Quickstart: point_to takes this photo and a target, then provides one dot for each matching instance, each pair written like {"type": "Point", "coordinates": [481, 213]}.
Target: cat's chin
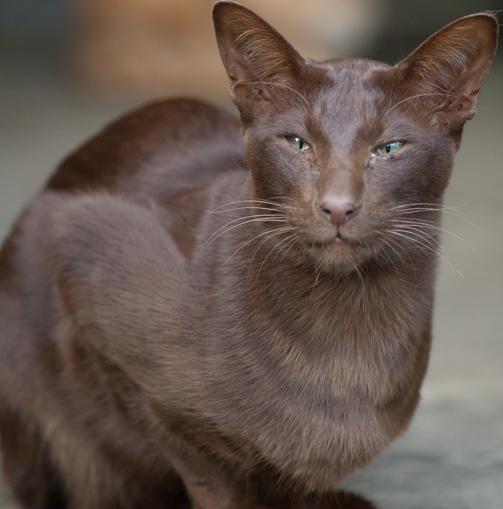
{"type": "Point", "coordinates": [337, 255]}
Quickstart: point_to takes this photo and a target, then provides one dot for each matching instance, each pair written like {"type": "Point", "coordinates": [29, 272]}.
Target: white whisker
{"type": "Point", "coordinates": [251, 207]}
{"type": "Point", "coordinates": [274, 248]}
{"type": "Point", "coordinates": [247, 220]}
{"type": "Point", "coordinates": [423, 224]}
{"type": "Point", "coordinates": [416, 97]}
{"type": "Point", "coordinates": [278, 85]}
{"type": "Point", "coordinates": [424, 246]}
{"type": "Point", "coordinates": [250, 201]}
{"type": "Point", "coordinates": [282, 229]}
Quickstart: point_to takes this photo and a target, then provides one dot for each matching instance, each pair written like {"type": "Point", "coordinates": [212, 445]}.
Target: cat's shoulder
{"type": "Point", "coordinates": [162, 138]}
{"type": "Point", "coordinates": [183, 116]}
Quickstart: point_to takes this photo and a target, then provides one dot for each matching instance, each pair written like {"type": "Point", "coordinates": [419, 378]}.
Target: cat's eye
{"type": "Point", "coordinates": [389, 148]}
{"type": "Point", "coordinates": [298, 143]}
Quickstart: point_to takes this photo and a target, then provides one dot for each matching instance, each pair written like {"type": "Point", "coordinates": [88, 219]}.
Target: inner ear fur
{"type": "Point", "coordinates": [259, 62]}
{"type": "Point", "coordinates": [452, 63]}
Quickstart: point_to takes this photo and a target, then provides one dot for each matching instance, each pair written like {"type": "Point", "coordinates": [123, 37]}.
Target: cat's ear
{"type": "Point", "coordinates": [454, 61]}
{"type": "Point", "coordinates": [259, 62]}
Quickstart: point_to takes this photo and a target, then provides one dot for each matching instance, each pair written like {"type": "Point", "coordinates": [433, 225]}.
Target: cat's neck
{"type": "Point", "coordinates": [279, 267]}
{"type": "Point", "coordinates": [268, 272]}
{"type": "Point", "coordinates": [367, 284]}
{"type": "Point", "coordinates": [387, 297]}
{"type": "Point", "coordinates": [316, 324]}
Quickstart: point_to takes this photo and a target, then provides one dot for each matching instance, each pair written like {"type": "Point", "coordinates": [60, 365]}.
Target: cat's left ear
{"type": "Point", "coordinates": [454, 61]}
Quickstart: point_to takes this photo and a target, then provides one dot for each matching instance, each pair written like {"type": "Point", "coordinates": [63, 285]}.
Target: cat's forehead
{"type": "Point", "coordinates": [354, 95]}
{"type": "Point", "coordinates": [353, 85]}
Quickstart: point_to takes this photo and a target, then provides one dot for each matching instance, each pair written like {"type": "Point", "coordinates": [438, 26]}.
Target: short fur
{"type": "Point", "coordinates": [180, 317]}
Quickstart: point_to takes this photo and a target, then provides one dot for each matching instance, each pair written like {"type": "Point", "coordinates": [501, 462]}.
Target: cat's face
{"type": "Point", "coordinates": [356, 154]}
{"type": "Point", "coordinates": [345, 162]}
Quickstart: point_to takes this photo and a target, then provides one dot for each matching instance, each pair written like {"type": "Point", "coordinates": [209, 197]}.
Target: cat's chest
{"type": "Point", "coordinates": [318, 383]}
{"type": "Point", "coordinates": [326, 388]}
{"type": "Point", "coordinates": [342, 344]}
{"type": "Point", "coordinates": [317, 422]}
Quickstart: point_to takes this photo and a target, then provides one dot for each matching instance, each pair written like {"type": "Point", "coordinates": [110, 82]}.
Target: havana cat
{"type": "Point", "coordinates": [235, 314]}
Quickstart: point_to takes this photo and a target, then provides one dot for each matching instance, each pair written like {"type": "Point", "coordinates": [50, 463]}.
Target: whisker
{"type": "Point", "coordinates": [360, 275]}
{"type": "Point", "coordinates": [278, 85]}
{"type": "Point", "coordinates": [259, 201]}
{"type": "Point", "coordinates": [317, 271]}
{"type": "Point", "coordinates": [227, 228]}
{"type": "Point", "coordinates": [423, 204]}
{"type": "Point", "coordinates": [423, 224]}
{"type": "Point", "coordinates": [251, 207]}
{"type": "Point", "coordinates": [251, 216]}
{"type": "Point", "coordinates": [411, 208]}
{"type": "Point", "coordinates": [429, 239]}
{"type": "Point", "coordinates": [447, 211]}
{"type": "Point", "coordinates": [419, 243]}
{"type": "Point", "coordinates": [416, 97]}
{"type": "Point", "coordinates": [438, 206]}
{"type": "Point", "coordinates": [281, 229]}
{"type": "Point", "coordinates": [262, 242]}
{"type": "Point", "coordinates": [274, 248]}
{"type": "Point", "coordinates": [282, 245]}
{"type": "Point", "coordinates": [432, 241]}
{"type": "Point", "coordinates": [388, 243]}
{"type": "Point", "coordinates": [288, 246]}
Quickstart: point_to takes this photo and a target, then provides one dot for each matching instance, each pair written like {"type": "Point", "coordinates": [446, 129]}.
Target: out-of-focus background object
{"type": "Point", "coordinates": [159, 46]}
{"type": "Point", "coordinates": [67, 67]}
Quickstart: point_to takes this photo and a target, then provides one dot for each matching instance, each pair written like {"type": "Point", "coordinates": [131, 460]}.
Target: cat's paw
{"type": "Point", "coordinates": [340, 500]}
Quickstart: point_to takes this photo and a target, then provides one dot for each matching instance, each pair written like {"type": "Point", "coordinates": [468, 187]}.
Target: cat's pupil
{"type": "Point", "coordinates": [388, 148]}
{"type": "Point", "coordinates": [298, 142]}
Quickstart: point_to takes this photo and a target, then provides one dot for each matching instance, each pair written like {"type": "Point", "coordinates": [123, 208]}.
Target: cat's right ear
{"type": "Point", "coordinates": [259, 62]}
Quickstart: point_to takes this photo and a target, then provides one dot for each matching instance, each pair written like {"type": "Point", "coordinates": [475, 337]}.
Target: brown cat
{"type": "Point", "coordinates": [246, 323]}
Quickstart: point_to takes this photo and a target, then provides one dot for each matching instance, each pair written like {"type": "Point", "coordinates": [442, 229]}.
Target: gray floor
{"type": "Point", "coordinates": [452, 456]}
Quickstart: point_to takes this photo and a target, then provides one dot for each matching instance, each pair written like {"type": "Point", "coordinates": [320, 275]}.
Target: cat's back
{"type": "Point", "coordinates": [155, 151]}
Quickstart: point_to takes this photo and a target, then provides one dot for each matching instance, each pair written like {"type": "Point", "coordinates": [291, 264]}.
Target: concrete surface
{"type": "Point", "coordinates": [452, 456]}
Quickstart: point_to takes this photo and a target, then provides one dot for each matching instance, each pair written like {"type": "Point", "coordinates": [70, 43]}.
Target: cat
{"type": "Point", "coordinates": [227, 313]}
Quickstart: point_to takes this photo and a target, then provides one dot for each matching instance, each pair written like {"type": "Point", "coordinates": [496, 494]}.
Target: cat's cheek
{"type": "Point", "coordinates": [310, 168]}
{"type": "Point", "coordinates": [378, 173]}
{"type": "Point", "coordinates": [308, 183]}
{"type": "Point", "coordinates": [371, 162]}
{"type": "Point", "coordinates": [313, 170]}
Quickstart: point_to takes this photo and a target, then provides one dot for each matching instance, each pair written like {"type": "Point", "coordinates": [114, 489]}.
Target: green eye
{"type": "Point", "coordinates": [389, 148]}
{"type": "Point", "coordinates": [299, 143]}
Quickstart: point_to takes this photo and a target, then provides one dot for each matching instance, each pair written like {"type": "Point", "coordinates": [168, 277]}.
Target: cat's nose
{"type": "Point", "coordinates": [338, 212]}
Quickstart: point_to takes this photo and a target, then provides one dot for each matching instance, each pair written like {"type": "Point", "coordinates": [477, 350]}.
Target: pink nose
{"type": "Point", "coordinates": [338, 212]}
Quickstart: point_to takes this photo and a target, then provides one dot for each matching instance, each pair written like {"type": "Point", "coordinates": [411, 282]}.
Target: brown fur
{"type": "Point", "coordinates": [160, 338]}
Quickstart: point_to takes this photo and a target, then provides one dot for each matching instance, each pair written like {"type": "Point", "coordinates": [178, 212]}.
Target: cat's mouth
{"type": "Point", "coordinates": [338, 250]}
{"type": "Point", "coordinates": [336, 253]}
{"type": "Point", "coordinates": [337, 239]}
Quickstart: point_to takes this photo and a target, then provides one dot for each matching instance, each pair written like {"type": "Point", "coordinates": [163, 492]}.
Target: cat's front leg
{"type": "Point", "coordinates": [208, 485]}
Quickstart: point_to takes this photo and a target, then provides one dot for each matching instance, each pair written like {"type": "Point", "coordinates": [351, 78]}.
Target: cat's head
{"type": "Point", "coordinates": [356, 153]}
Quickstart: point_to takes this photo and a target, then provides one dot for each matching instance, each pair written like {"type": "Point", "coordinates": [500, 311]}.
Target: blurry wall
{"type": "Point", "coordinates": [160, 47]}
{"type": "Point", "coordinates": [27, 22]}
{"type": "Point", "coordinates": [154, 46]}
{"type": "Point", "coordinates": [408, 22]}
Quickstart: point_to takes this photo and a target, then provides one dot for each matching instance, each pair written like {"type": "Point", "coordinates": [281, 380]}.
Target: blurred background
{"type": "Point", "coordinates": [67, 67]}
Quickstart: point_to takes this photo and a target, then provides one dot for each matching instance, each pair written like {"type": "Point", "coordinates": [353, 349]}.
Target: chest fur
{"type": "Point", "coordinates": [318, 385]}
